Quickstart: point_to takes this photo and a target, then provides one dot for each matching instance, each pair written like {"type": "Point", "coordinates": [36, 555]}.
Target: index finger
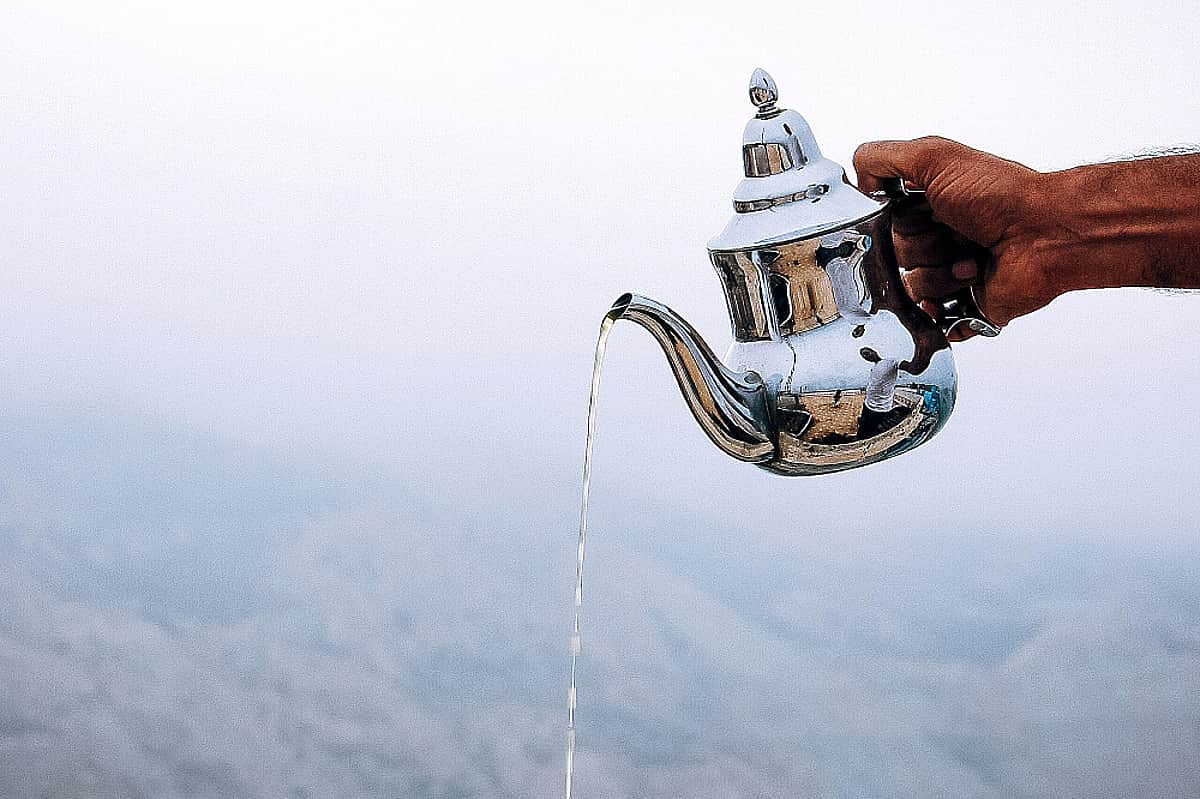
{"type": "Point", "coordinates": [916, 161]}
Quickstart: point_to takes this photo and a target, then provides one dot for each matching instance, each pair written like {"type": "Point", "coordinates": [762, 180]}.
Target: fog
{"type": "Point", "coordinates": [295, 338]}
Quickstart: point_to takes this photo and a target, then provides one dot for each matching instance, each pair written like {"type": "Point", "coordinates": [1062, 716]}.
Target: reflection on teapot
{"type": "Point", "coordinates": [832, 365]}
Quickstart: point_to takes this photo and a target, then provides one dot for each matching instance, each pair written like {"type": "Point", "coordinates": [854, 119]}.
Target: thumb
{"type": "Point", "coordinates": [917, 161]}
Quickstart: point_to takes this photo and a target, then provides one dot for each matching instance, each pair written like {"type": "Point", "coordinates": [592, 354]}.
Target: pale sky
{"type": "Point", "coordinates": [338, 224]}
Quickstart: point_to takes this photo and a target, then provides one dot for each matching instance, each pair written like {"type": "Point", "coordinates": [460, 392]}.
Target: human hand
{"type": "Point", "coordinates": [981, 227]}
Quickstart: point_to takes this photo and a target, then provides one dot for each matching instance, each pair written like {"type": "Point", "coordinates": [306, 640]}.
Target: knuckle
{"type": "Point", "coordinates": [864, 154]}
{"type": "Point", "coordinates": [937, 148]}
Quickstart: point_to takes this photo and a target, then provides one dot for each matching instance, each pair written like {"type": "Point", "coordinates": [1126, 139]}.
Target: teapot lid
{"type": "Point", "coordinates": [790, 190]}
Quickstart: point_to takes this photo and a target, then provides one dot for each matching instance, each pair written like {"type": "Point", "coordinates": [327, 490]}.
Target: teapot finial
{"type": "Point", "coordinates": [763, 92]}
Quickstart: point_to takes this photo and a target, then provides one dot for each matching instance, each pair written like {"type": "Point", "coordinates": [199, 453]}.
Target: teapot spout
{"type": "Point", "coordinates": [730, 408]}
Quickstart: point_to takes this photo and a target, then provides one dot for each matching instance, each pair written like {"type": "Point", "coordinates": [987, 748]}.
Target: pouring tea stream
{"type": "Point", "coordinates": [832, 365]}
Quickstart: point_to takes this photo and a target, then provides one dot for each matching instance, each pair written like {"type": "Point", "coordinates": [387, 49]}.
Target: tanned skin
{"type": "Point", "coordinates": [1128, 223]}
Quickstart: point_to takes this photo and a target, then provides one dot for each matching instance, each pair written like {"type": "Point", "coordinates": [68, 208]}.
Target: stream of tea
{"type": "Point", "coordinates": [583, 509]}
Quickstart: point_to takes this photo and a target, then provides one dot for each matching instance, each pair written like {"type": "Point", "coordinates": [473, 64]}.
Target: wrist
{"type": "Point", "coordinates": [1080, 245]}
{"type": "Point", "coordinates": [1128, 223]}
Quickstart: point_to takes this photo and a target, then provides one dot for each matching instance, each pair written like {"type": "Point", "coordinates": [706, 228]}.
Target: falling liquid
{"type": "Point", "coordinates": [583, 508]}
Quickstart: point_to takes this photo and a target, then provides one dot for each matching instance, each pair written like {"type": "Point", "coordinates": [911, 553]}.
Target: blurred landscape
{"type": "Point", "coordinates": [185, 616]}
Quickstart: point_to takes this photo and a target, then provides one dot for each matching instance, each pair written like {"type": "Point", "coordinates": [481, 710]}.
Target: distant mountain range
{"type": "Point", "coordinates": [184, 616]}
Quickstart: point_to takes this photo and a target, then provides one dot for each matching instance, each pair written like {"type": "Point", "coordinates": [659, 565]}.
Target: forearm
{"type": "Point", "coordinates": [1128, 223]}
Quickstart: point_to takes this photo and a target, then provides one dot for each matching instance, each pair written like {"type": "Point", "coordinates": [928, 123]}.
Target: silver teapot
{"type": "Point", "coordinates": [832, 364]}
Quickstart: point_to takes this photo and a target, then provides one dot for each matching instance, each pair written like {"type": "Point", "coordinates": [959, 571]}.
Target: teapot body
{"type": "Point", "coordinates": [854, 371]}
{"type": "Point", "coordinates": [832, 366]}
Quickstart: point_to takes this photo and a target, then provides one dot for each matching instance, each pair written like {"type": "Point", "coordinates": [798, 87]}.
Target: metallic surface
{"type": "Point", "coordinates": [763, 93]}
{"type": "Point", "coordinates": [832, 365]}
{"type": "Point", "coordinates": [790, 189]}
{"type": "Point", "coordinates": [730, 408]}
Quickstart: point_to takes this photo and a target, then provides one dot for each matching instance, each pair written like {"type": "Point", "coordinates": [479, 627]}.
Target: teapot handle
{"type": "Point", "coordinates": [960, 308]}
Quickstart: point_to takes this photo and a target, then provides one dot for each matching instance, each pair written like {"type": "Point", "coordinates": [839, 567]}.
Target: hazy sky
{"type": "Point", "coordinates": [376, 241]}
{"type": "Point", "coordinates": [340, 223]}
